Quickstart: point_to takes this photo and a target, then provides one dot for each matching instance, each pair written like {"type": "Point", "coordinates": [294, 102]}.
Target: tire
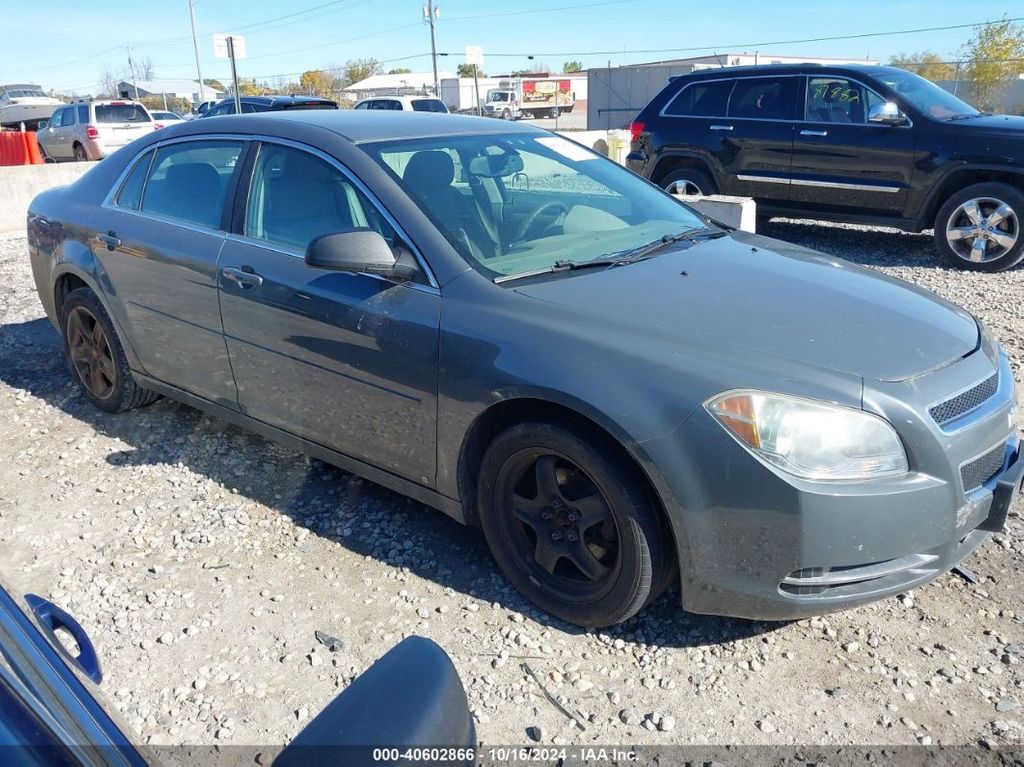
{"type": "Point", "coordinates": [622, 553]}
{"type": "Point", "coordinates": [689, 181]}
{"type": "Point", "coordinates": [80, 154]}
{"type": "Point", "coordinates": [980, 228]}
{"type": "Point", "coordinates": [506, 114]}
{"type": "Point", "coordinates": [114, 388]}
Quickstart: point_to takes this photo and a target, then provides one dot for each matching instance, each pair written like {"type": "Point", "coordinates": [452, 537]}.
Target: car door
{"type": "Point", "coordinates": [757, 137]}
{"type": "Point", "coordinates": [346, 360]}
{"type": "Point", "coordinates": [49, 137]}
{"type": "Point", "coordinates": [840, 160]}
{"type": "Point", "coordinates": [159, 236]}
{"type": "Point", "coordinates": [63, 134]}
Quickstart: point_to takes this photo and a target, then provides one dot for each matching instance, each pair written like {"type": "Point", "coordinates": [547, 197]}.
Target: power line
{"type": "Point", "coordinates": [539, 10]}
{"type": "Point", "coordinates": [721, 46]}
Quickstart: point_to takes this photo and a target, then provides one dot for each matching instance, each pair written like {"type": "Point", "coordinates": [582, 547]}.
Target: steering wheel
{"type": "Point", "coordinates": [559, 208]}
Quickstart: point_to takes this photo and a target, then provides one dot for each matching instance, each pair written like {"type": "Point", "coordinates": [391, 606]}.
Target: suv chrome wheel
{"type": "Point", "coordinates": [982, 229]}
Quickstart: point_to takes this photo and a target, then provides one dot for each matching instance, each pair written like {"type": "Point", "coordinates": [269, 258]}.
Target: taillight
{"type": "Point", "coordinates": [635, 129]}
{"type": "Point", "coordinates": [91, 132]}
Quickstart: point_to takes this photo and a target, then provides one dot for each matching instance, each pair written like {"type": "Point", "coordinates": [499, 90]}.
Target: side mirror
{"type": "Point", "coordinates": [42, 125]}
{"type": "Point", "coordinates": [887, 113]}
{"type": "Point", "coordinates": [361, 251]}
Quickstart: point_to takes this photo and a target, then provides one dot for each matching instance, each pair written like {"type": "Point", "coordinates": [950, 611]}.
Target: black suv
{"type": "Point", "coordinates": [268, 104]}
{"type": "Point", "coordinates": [862, 144]}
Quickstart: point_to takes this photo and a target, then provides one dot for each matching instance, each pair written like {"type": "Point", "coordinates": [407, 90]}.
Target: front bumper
{"type": "Point", "coordinates": [754, 542]}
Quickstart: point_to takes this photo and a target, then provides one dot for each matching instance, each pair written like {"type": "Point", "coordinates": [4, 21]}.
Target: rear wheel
{"type": "Point", "coordinates": [80, 153]}
{"type": "Point", "coordinates": [571, 524]}
{"type": "Point", "coordinates": [979, 228]}
{"type": "Point", "coordinates": [689, 181]}
{"type": "Point", "coordinates": [96, 356]}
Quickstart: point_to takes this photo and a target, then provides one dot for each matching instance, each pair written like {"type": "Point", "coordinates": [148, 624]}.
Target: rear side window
{"type": "Point", "coordinates": [121, 113]}
{"type": "Point", "coordinates": [189, 181]}
{"type": "Point", "coordinates": [708, 99]}
{"type": "Point", "coordinates": [428, 105]}
{"type": "Point", "coordinates": [310, 105]}
{"type": "Point", "coordinates": [763, 98]}
{"type": "Point", "coordinates": [130, 195]}
{"type": "Point", "coordinates": [83, 114]}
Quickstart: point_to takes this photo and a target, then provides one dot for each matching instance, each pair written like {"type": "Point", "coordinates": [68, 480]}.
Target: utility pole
{"type": "Point", "coordinates": [195, 46]}
{"type": "Point", "coordinates": [430, 12]}
{"type": "Point", "coordinates": [131, 68]}
{"type": "Point", "coordinates": [234, 75]}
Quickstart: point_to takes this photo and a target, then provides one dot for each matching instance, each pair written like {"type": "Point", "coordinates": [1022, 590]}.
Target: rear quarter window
{"type": "Point", "coordinates": [121, 113]}
{"type": "Point", "coordinates": [701, 99]}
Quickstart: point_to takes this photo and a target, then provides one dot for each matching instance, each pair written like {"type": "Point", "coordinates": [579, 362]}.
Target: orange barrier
{"type": "Point", "coordinates": [17, 148]}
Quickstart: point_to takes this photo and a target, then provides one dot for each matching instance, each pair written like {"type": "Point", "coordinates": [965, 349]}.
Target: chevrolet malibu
{"type": "Point", "coordinates": [499, 323]}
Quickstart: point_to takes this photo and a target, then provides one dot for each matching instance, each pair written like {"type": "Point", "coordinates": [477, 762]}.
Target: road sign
{"type": "Point", "coordinates": [475, 55]}
{"type": "Point", "coordinates": [220, 46]}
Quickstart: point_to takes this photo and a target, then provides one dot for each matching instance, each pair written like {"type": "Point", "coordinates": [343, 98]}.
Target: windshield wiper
{"type": "Point", "coordinates": [968, 116]}
{"type": "Point", "coordinates": [561, 266]}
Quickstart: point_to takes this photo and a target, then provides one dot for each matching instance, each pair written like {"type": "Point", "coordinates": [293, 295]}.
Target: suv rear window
{"type": "Point", "coordinates": [763, 98]}
{"type": "Point", "coordinates": [428, 105]}
{"type": "Point", "coordinates": [702, 99]}
{"type": "Point", "coordinates": [121, 113]}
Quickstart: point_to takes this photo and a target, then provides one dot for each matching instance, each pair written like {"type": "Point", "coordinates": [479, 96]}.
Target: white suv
{"type": "Point", "coordinates": [90, 130]}
{"type": "Point", "coordinates": [404, 104]}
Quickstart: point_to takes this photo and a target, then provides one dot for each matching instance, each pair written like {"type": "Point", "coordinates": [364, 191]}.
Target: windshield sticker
{"type": "Point", "coordinates": [568, 149]}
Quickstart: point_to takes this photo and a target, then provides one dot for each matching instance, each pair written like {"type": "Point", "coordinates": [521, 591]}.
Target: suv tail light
{"type": "Point", "coordinates": [91, 132]}
{"type": "Point", "coordinates": [635, 129]}
{"type": "Point", "coordinates": [157, 126]}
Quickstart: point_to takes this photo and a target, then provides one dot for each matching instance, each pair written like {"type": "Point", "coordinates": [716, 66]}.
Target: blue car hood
{"type": "Point", "coordinates": [770, 297]}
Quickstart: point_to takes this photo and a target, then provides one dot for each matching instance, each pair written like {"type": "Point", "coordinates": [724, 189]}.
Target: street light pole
{"type": "Point", "coordinates": [195, 46]}
{"type": "Point", "coordinates": [431, 11]}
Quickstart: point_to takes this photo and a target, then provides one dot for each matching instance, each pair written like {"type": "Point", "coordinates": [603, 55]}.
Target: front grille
{"type": "Point", "coordinates": [962, 403]}
{"type": "Point", "coordinates": [979, 471]}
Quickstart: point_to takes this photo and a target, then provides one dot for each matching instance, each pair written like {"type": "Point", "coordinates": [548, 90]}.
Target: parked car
{"type": "Point", "coordinates": [863, 144]}
{"type": "Point", "coordinates": [252, 104]}
{"type": "Point", "coordinates": [503, 324]}
{"type": "Point", "coordinates": [403, 104]}
{"type": "Point", "coordinates": [203, 107]}
{"type": "Point", "coordinates": [52, 711]}
{"type": "Point", "coordinates": [91, 130]}
{"type": "Point", "coordinates": [163, 119]}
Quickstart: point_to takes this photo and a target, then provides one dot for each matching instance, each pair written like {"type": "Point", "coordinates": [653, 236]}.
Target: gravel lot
{"type": "Point", "coordinates": [202, 559]}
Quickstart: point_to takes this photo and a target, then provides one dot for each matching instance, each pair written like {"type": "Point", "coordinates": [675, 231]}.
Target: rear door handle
{"type": "Point", "coordinates": [245, 278]}
{"type": "Point", "coordinates": [814, 133]}
{"type": "Point", "coordinates": [109, 239]}
{"type": "Point", "coordinates": [721, 127]}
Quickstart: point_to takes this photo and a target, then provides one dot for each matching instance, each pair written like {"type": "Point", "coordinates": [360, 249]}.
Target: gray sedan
{"type": "Point", "coordinates": [501, 324]}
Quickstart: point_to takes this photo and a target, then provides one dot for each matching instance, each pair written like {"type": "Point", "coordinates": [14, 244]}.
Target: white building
{"type": "Point", "coordinates": [179, 89]}
{"type": "Point", "coordinates": [405, 84]}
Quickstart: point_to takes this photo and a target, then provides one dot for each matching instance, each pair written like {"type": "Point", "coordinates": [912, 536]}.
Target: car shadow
{"type": "Point", "coordinates": [333, 504]}
{"type": "Point", "coordinates": [869, 247]}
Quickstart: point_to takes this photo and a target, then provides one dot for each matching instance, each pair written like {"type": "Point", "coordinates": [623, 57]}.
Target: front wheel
{"type": "Point", "coordinates": [571, 524]}
{"type": "Point", "coordinates": [506, 115]}
{"type": "Point", "coordinates": [979, 228]}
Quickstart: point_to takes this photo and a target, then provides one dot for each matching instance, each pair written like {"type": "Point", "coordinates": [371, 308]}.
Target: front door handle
{"type": "Point", "coordinates": [721, 127]}
{"type": "Point", "coordinates": [245, 278]}
{"type": "Point", "coordinates": [809, 132]}
{"type": "Point", "coordinates": [109, 239]}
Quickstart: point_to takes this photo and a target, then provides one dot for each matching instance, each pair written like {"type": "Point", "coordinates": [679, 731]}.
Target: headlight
{"type": "Point", "coordinates": [811, 439]}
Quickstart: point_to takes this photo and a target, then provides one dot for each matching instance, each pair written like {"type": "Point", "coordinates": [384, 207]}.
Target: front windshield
{"type": "Point", "coordinates": [926, 95]}
{"type": "Point", "coordinates": [516, 203]}
{"type": "Point", "coordinates": [498, 96]}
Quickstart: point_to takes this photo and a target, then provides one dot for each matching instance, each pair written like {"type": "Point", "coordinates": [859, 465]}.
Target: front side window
{"type": "Point", "coordinates": [56, 119]}
{"type": "Point", "coordinates": [296, 197]}
{"type": "Point", "coordinates": [763, 98]}
{"type": "Point", "coordinates": [838, 100]}
{"type": "Point", "coordinates": [511, 204]}
{"type": "Point", "coordinates": [189, 181]}
{"type": "Point", "coordinates": [709, 99]}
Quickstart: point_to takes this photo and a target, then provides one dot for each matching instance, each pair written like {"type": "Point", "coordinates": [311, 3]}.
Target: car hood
{"type": "Point", "coordinates": [749, 292]}
{"type": "Point", "coordinates": [1000, 123]}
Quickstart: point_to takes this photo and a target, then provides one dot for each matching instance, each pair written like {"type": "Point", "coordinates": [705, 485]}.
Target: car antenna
{"type": "Point", "coordinates": [720, 64]}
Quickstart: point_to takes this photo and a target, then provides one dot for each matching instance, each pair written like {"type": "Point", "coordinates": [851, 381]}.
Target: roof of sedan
{"type": "Point", "coordinates": [365, 126]}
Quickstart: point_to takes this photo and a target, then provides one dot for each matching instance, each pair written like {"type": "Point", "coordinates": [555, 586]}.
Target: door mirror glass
{"type": "Point", "coordinates": [886, 113]}
{"type": "Point", "coordinates": [42, 125]}
{"type": "Point", "coordinates": [352, 250]}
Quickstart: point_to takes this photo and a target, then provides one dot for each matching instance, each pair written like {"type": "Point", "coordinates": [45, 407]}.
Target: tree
{"type": "Point", "coordinates": [359, 69]}
{"type": "Point", "coordinates": [400, 71]}
{"type": "Point", "coordinates": [466, 70]}
{"type": "Point", "coordinates": [318, 82]}
{"type": "Point", "coordinates": [144, 68]}
{"type": "Point", "coordinates": [993, 57]}
{"type": "Point", "coordinates": [572, 66]}
{"type": "Point", "coordinates": [927, 64]}
{"type": "Point", "coordinates": [217, 85]}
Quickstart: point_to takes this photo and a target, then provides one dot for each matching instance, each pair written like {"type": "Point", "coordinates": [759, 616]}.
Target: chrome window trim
{"type": "Point", "coordinates": [108, 202]}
